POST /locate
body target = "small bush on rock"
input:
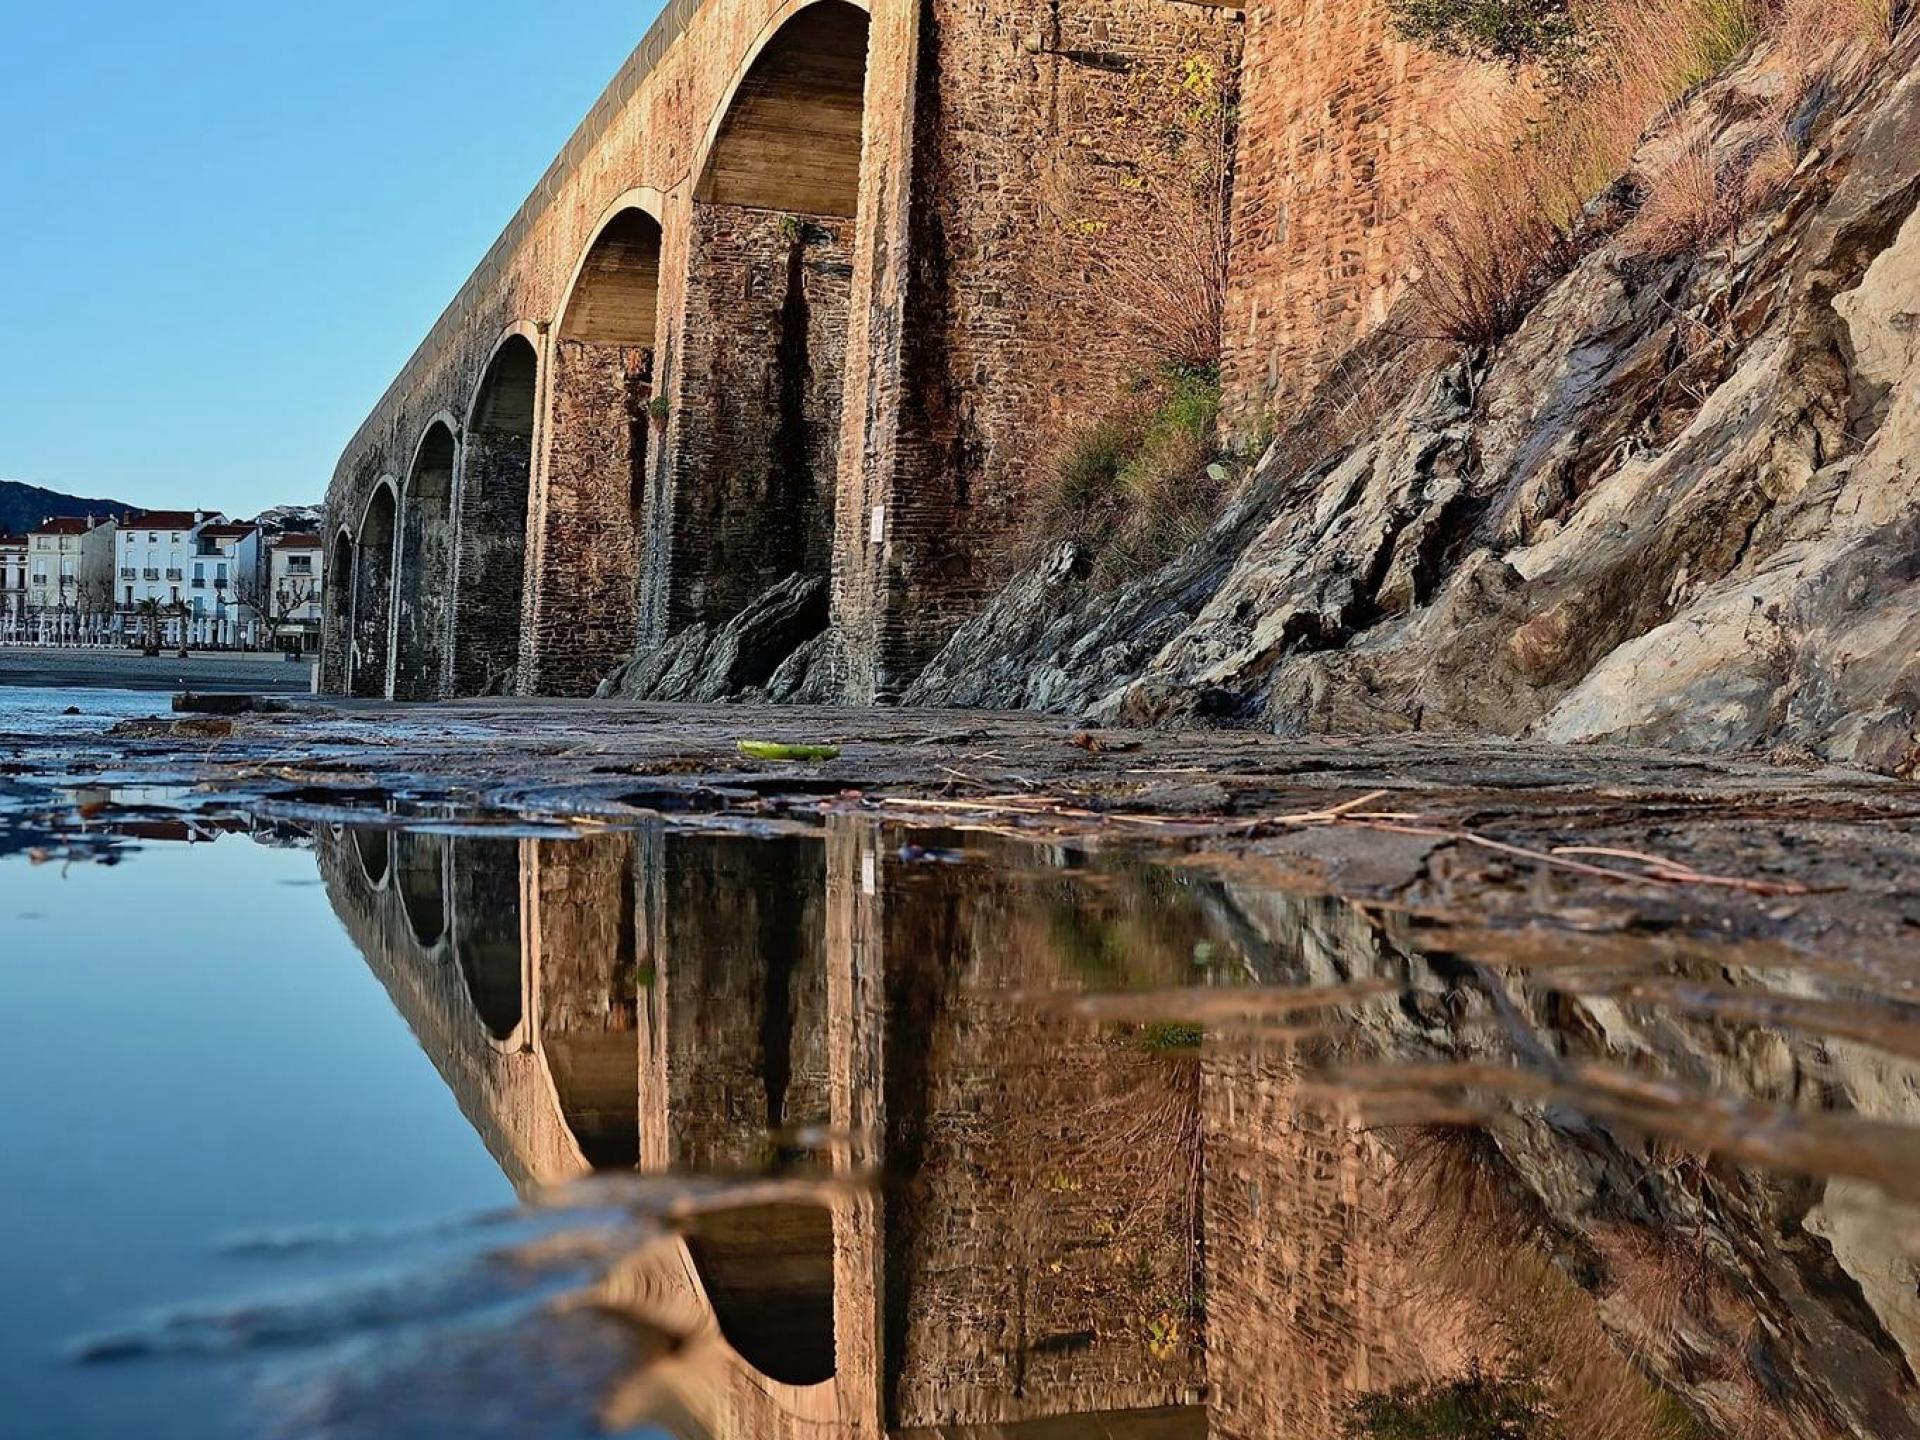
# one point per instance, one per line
(1140, 484)
(1474, 1407)
(1509, 32)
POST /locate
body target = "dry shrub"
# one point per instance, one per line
(1520, 186)
(1692, 202)
(1173, 294)
(1487, 258)
(1147, 225)
(1813, 30)
(1471, 1228)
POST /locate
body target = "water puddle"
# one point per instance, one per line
(859, 1130)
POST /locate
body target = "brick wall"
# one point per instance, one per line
(425, 577)
(756, 434)
(1026, 137)
(373, 596)
(585, 601)
(955, 339)
(732, 946)
(495, 487)
(1343, 139)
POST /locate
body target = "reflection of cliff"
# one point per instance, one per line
(1121, 1229)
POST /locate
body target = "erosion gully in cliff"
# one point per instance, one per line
(993, 1077)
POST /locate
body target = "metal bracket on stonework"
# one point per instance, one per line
(1036, 44)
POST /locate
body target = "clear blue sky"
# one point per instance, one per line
(224, 226)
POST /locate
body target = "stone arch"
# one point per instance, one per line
(487, 943)
(373, 560)
(425, 577)
(338, 616)
(496, 479)
(593, 494)
(762, 364)
(419, 871)
(767, 1271)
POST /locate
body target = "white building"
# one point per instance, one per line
(226, 585)
(156, 550)
(13, 589)
(70, 582)
(296, 578)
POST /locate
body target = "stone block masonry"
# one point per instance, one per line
(757, 412)
(826, 287)
(1345, 139)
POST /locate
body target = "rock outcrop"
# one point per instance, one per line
(1678, 507)
(772, 650)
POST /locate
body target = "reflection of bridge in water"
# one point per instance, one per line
(1087, 1230)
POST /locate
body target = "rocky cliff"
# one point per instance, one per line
(1678, 506)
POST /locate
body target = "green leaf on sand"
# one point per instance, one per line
(769, 750)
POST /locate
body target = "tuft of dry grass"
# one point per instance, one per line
(1692, 202)
(1520, 186)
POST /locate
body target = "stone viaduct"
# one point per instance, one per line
(806, 295)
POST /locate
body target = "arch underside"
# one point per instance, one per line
(588, 600)
(768, 296)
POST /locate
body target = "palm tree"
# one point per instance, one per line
(150, 612)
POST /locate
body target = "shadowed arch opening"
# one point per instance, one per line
(768, 1270)
(426, 568)
(587, 605)
(338, 583)
(487, 944)
(373, 596)
(769, 285)
(420, 873)
(374, 852)
(496, 478)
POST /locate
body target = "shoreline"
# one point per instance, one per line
(1521, 843)
(32, 667)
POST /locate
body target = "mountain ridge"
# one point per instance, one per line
(23, 506)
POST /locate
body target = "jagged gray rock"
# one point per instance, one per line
(763, 642)
(1677, 508)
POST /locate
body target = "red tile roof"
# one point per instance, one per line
(299, 542)
(229, 532)
(163, 520)
(64, 525)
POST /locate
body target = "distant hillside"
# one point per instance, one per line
(306, 519)
(23, 506)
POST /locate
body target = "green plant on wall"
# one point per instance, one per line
(1476, 1406)
(1507, 32)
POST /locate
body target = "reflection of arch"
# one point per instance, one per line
(763, 346)
(374, 849)
(496, 471)
(768, 1272)
(373, 553)
(592, 503)
(426, 565)
(420, 876)
(487, 941)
